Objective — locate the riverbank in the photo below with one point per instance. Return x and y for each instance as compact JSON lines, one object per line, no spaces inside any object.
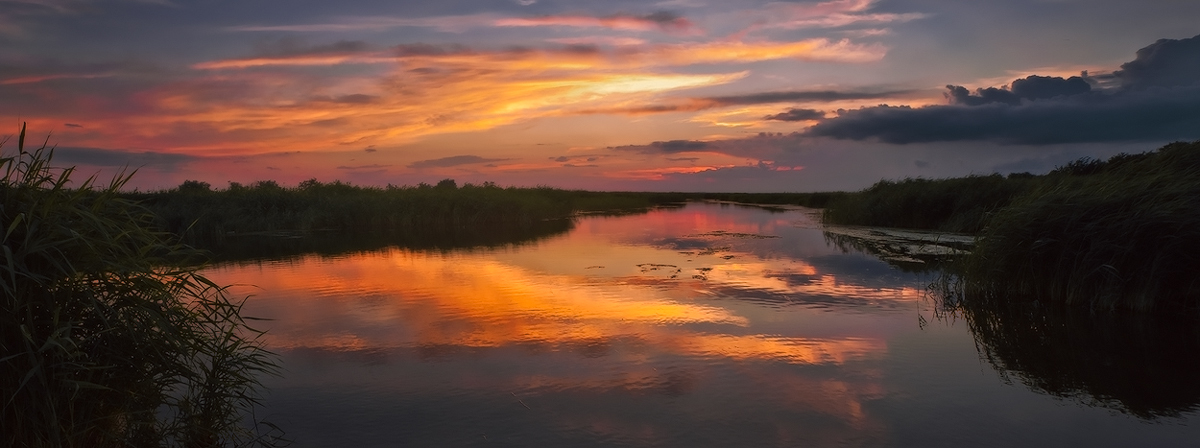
{"x":1122,"y":233}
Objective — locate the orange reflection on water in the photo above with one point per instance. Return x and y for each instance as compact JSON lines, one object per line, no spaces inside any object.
{"x":406,"y":299}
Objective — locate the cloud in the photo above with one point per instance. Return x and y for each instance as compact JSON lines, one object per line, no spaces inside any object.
{"x":802,"y":95}
{"x":36,"y":71}
{"x":1165,"y":63}
{"x":831,"y":14}
{"x":292,"y":52}
{"x":100,"y":157}
{"x":1028,"y":89}
{"x":362,"y":167}
{"x":445,"y":162}
{"x":572,"y":57}
{"x":797,"y":115}
{"x":661,"y":20}
{"x":791,"y":96}
{"x":675,"y":146}
{"x":760,"y":146}
{"x":374,"y":23}
{"x":1158,"y":99}
{"x":1135,"y":116}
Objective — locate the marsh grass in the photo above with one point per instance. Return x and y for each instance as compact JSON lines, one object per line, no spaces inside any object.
{"x":1126,"y":235}
{"x":959,"y":205}
{"x":105,"y":341}
{"x":1122,"y":233}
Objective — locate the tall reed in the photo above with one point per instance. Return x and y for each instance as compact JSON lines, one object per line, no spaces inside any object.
{"x":1124,"y":235}
{"x":103,"y":342}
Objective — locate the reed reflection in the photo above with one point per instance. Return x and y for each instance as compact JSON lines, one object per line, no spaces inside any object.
{"x":1144,"y":365}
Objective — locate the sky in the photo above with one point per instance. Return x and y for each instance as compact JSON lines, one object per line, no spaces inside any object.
{"x":675,"y":95}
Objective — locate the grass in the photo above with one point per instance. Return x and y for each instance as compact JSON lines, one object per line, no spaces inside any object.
{"x":1122,"y":233}
{"x":960,"y":205}
{"x":1124,"y":236}
{"x":105,"y":342}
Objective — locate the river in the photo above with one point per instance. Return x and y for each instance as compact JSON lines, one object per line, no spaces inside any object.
{"x":704,"y":325}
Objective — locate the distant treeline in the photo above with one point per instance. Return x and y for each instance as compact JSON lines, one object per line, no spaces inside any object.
{"x":197,"y":211}
{"x":202,"y":214}
{"x":1107,"y":234}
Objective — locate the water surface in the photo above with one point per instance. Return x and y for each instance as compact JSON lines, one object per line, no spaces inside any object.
{"x":707,"y":325}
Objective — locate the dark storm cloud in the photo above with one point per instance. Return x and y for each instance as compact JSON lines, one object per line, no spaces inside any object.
{"x":1138,"y":116}
{"x":451,"y":161}
{"x":1029,"y":89}
{"x":113,"y":158}
{"x":1165,"y":63}
{"x":797,"y":115}
{"x":1158,"y":99}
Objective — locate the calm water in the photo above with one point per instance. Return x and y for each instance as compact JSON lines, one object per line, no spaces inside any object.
{"x":710,"y":325}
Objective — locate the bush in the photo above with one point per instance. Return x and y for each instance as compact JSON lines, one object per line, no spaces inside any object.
{"x":102,"y":341}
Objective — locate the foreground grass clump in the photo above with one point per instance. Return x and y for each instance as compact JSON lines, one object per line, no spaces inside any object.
{"x":1124,"y":234}
{"x":102,"y":342}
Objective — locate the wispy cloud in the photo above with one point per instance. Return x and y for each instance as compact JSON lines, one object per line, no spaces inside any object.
{"x":446,"y":162}
{"x":662,"y":20}
{"x":831,"y":14}
{"x":576,"y":57}
{"x":696,"y":104}
{"x":442,"y":23}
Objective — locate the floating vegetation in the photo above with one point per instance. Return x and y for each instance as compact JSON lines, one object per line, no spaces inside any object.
{"x":713,"y":250}
{"x":903,"y":247}
{"x":725,"y":234}
{"x":648,"y":267}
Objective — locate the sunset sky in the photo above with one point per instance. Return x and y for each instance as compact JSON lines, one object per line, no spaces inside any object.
{"x":689,"y":95}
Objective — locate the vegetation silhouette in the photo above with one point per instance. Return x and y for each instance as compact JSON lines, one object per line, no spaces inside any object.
{"x":1122,"y":233}
{"x":104,"y":340}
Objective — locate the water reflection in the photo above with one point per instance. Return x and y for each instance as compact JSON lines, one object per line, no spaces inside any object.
{"x":1145,"y":365}
{"x":282,"y":245}
{"x":700,"y":326}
